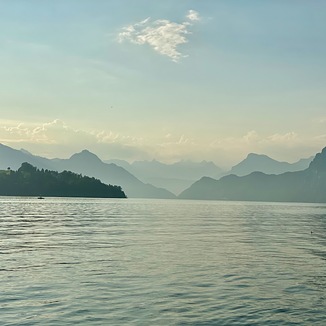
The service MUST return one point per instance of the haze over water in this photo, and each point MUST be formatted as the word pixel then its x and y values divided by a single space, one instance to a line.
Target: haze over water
pixel 161 262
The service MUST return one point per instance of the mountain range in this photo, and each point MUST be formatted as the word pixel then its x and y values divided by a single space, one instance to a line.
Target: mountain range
pixel 308 185
pixel 179 176
pixel 88 164
pixel 263 163
pixel 175 177
pixel 152 179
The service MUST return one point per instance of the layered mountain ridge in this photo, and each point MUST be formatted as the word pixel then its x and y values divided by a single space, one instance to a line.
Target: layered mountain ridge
pixel 88 164
pixel 266 179
pixel 308 185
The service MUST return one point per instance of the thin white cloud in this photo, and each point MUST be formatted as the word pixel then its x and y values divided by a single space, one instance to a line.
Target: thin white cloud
pixel 58 132
pixel 162 35
pixel 193 15
pixel 252 141
pixel 287 138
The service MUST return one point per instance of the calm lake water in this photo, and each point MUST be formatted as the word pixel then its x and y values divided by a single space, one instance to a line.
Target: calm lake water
pixel 161 262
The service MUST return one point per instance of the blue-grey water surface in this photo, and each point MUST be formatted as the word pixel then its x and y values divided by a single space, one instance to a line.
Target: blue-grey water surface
pixel 68 261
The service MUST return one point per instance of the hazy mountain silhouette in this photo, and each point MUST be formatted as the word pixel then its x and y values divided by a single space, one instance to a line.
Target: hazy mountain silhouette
pixel 175 177
pixel 308 185
pixel 263 163
pixel 13 158
pixel 87 164
pixel 179 176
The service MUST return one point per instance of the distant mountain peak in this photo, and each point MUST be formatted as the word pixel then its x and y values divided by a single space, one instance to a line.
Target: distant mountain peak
pixel 253 158
pixel 85 155
pixel 258 156
pixel 254 155
pixel 306 185
pixel 319 162
pixel 263 163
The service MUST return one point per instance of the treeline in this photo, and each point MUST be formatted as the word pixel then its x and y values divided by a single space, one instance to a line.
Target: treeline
pixel 30 181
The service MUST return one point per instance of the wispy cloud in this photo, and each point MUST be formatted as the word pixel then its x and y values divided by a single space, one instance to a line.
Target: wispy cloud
pixel 52 138
pixel 58 132
pixel 193 15
pixel 162 35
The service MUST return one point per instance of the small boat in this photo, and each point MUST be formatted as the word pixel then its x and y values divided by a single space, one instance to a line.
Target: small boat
pixel 40 197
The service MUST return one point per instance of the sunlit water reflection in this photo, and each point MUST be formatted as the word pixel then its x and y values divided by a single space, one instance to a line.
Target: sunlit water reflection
pixel 161 262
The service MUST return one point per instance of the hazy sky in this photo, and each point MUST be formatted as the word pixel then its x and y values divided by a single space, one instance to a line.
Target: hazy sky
pixel 164 79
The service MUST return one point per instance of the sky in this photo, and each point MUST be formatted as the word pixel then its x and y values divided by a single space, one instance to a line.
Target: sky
pixel 168 80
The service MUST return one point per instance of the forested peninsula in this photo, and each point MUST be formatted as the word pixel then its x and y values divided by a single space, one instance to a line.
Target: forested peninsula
pixel 30 181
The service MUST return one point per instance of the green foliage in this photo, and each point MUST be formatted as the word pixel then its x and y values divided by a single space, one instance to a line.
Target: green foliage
pixel 30 181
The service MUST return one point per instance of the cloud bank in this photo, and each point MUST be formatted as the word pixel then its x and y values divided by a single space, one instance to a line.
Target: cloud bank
pixel 162 35
pixel 57 139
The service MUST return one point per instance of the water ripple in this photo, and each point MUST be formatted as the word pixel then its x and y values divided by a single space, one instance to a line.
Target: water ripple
pixel 158 262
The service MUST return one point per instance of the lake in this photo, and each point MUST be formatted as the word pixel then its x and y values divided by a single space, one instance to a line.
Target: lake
pixel 68 261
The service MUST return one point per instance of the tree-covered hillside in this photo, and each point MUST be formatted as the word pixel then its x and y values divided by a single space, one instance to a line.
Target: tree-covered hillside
pixel 30 181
